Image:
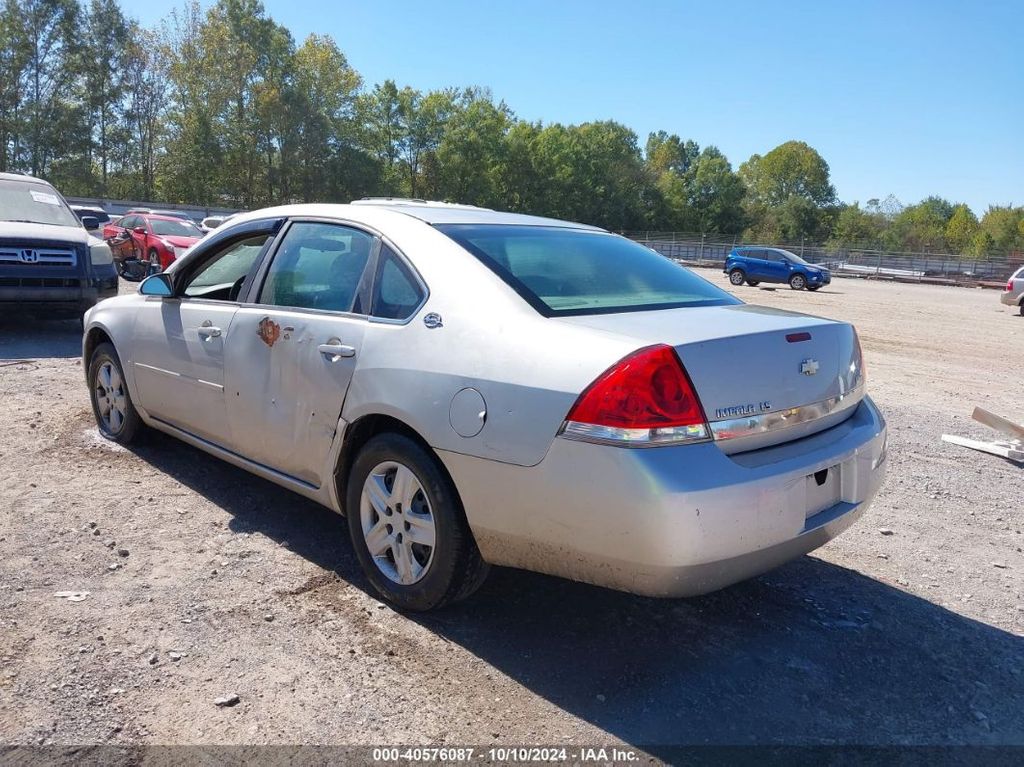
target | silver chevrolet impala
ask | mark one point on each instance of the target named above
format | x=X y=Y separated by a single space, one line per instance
x=471 y=387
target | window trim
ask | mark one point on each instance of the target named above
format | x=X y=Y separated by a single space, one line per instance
x=199 y=257
x=249 y=293
x=531 y=298
x=417 y=278
x=267 y=260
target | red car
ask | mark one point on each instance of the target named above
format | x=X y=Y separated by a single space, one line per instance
x=157 y=239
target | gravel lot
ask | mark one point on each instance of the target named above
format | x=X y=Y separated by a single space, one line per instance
x=205 y=582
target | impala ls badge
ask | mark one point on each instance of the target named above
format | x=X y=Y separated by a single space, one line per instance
x=809 y=367
x=433 y=320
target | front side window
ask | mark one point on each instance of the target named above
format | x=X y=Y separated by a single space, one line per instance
x=396 y=293
x=562 y=271
x=222 y=276
x=792 y=258
x=318 y=266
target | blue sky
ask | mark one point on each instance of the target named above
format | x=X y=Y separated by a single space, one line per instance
x=903 y=97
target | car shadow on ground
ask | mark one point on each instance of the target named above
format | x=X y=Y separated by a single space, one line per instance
x=26 y=337
x=812 y=653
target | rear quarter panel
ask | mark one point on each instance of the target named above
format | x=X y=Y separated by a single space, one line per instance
x=528 y=369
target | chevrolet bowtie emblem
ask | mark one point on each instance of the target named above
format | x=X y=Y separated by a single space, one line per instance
x=809 y=367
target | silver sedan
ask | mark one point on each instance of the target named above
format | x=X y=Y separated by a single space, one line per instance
x=473 y=388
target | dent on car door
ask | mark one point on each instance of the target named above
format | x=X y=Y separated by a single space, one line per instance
x=295 y=348
x=180 y=343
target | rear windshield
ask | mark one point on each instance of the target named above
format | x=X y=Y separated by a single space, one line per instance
x=573 y=271
x=34 y=203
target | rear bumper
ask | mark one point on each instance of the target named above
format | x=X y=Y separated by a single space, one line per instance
x=1010 y=298
x=671 y=521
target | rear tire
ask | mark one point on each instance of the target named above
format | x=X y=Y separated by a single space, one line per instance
x=798 y=282
x=400 y=502
x=736 y=277
x=1022 y=308
x=116 y=416
x=753 y=283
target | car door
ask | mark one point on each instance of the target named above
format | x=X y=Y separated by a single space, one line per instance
x=121 y=243
x=139 y=239
x=295 y=345
x=776 y=266
x=178 y=354
x=755 y=264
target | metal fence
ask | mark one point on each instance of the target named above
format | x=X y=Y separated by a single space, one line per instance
x=120 y=207
x=940 y=268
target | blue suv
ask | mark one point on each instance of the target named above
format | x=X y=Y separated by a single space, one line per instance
x=754 y=265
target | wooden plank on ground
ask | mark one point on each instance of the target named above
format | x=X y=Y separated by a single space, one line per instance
x=998 y=423
x=1010 y=450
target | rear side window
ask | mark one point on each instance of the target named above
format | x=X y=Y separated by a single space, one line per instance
x=396 y=293
x=562 y=271
x=318 y=266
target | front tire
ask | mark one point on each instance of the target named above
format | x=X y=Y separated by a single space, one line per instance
x=408 y=528
x=798 y=282
x=116 y=416
x=736 y=277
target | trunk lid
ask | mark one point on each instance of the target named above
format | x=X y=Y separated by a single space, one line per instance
x=764 y=375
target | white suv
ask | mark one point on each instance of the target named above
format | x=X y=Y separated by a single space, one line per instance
x=1013 y=295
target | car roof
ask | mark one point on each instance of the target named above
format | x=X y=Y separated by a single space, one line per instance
x=161 y=217
x=23 y=177
x=370 y=211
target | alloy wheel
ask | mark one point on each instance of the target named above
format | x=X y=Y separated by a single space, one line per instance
x=111 y=401
x=397 y=523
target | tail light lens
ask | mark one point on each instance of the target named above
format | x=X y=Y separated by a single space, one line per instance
x=646 y=399
x=1009 y=284
x=859 y=362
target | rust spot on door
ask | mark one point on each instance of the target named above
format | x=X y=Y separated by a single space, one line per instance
x=269 y=331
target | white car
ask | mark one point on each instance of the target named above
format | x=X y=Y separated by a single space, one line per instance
x=472 y=387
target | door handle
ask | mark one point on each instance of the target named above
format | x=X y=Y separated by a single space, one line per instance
x=336 y=351
x=207 y=330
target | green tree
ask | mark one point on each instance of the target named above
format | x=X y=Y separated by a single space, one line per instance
x=961 y=229
x=383 y=130
x=715 y=193
x=922 y=227
x=323 y=105
x=14 y=55
x=793 y=169
x=53 y=127
x=470 y=154
x=857 y=226
x=1003 y=226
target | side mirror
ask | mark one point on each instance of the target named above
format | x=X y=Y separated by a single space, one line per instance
x=90 y=222
x=139 y=230
x=157 y=285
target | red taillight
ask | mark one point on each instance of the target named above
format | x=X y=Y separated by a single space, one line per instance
x=1009 y=285
x=646 y=398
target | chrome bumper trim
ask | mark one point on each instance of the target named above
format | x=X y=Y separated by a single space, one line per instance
x=765 y=423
